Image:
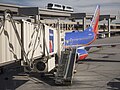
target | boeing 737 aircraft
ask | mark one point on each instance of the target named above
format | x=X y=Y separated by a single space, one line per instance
x=82 y=40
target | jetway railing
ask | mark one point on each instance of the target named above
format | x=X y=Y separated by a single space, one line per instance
x=11 y=37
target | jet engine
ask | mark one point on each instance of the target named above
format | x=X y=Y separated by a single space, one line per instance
x=82 y=54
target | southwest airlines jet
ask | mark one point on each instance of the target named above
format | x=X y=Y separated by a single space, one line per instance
x=82 y=40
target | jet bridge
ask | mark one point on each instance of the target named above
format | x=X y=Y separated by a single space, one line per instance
x=38 y=49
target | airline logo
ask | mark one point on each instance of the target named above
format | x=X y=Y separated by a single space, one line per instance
x=51 y=41
x=95 y=19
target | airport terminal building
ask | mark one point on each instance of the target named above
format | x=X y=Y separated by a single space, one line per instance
x=67 y=19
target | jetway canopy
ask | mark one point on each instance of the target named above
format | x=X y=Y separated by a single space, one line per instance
x=25 y=10
x=44 y=13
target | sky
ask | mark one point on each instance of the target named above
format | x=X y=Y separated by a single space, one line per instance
x=88 y=6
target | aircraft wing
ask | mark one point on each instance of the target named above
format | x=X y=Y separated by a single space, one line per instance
x=101 y=45
x=82 y=51
x=93 y=45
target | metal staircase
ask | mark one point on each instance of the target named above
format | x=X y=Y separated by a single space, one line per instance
x=66 y=67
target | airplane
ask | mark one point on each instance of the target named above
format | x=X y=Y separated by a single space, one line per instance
x=82 y=40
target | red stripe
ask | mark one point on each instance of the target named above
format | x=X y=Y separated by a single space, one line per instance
x=81 y=57
x=95 y=28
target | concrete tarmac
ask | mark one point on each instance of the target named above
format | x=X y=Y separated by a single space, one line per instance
x=100 y=71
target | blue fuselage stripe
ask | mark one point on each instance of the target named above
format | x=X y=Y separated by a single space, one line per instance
x=79 y=38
